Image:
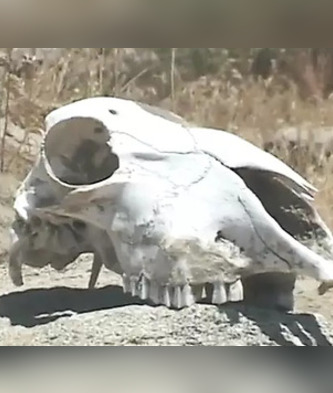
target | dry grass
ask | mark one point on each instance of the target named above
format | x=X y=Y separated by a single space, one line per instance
x=227 y=99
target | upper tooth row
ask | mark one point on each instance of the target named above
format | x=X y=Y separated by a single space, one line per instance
x=182 y=296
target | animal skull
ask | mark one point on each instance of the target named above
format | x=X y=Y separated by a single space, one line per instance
x=182 y=212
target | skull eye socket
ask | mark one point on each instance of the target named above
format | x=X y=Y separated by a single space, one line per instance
x=78 y=151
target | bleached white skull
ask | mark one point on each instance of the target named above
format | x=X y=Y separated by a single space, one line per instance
x=181 y=212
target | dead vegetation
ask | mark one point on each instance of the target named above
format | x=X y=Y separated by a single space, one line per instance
x=254 y=92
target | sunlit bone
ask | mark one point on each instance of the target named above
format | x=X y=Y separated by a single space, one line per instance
x=181 y=206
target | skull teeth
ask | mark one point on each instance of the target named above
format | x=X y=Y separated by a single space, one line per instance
x=133 y=286
x=177 y=297
x=180 y=296
x=235 y=292
x=144 y=288
x=166 y=297
x=126 y=283
x=187 y=296
x=219 y=293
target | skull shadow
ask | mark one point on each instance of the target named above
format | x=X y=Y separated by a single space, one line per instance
x=275 y=323
x=35 y=307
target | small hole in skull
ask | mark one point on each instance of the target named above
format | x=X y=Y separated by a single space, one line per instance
x=113 y=112
x=219 y=236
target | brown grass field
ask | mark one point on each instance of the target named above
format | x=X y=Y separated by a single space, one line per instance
x=217 y=89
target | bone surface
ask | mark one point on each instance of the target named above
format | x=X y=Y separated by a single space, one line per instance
x=174 y=208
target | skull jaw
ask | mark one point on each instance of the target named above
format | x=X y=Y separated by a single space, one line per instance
x=265 y=290
x=268 y=290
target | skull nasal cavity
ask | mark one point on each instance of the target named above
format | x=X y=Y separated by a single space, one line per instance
x=78 y=152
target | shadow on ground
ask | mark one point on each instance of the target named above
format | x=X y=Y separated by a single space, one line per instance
x=275 y=325
x=40 y=306
x=35 y=307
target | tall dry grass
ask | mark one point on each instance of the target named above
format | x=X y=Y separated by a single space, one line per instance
x=226 y=96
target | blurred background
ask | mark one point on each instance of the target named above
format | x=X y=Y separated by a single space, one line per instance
x=127 y=371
